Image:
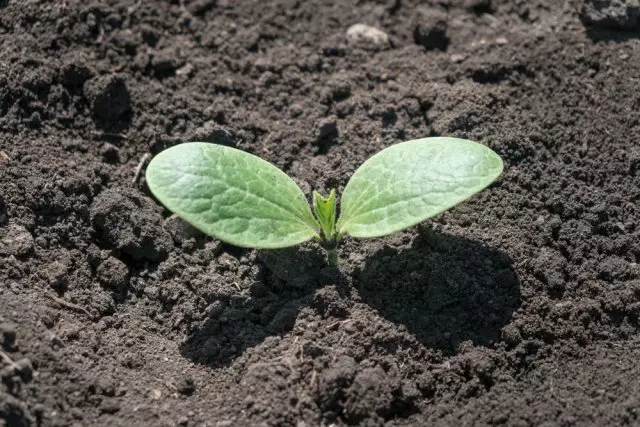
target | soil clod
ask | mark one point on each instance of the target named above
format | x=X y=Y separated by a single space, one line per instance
x=129 y=221
x=108 y=96
x=430 y=28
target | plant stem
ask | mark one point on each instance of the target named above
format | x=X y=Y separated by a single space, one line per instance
x=332 y=255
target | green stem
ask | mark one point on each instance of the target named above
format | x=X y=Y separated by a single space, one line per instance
x=332 y=256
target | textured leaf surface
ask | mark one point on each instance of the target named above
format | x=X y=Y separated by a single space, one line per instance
x=412 y=181
x=232 y=195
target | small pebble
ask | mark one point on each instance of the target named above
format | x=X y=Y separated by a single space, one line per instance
x=457 y=58
x=15 y=240
x=359 y=33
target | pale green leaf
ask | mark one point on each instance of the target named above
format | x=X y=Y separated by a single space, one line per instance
x=409 y=182
x=232 y=195
x=325 y=210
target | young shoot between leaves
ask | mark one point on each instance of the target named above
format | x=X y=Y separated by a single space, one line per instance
x=246 y=201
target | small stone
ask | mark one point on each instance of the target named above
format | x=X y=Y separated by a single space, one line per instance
x=185 y=70
x=15 y=240
x=108 y=96
x=4 y=158
x=430 y=29
x=365 y=34
x=183 y=421
x=457 y=58
x=113 y=273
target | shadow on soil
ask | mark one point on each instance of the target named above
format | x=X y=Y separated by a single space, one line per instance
x=444 y=289
x=289 y=281
x=611 y=35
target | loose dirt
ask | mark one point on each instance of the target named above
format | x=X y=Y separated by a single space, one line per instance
x=519 y=307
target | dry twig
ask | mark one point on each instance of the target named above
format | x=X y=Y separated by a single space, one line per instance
x=6 y=358
x=143 y=161
x=67 y=304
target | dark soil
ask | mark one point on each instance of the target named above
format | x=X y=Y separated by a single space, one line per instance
x=519 y=307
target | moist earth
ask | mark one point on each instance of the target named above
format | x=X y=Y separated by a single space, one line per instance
x=519 y=307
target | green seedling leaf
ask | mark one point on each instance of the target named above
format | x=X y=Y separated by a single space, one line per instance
x=325 y=210
x=246 y=201
x=407 y=183
x=232 y=195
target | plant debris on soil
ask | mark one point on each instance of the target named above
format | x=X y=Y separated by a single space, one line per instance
x=519 y=307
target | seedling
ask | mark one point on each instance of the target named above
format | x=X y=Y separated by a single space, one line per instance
x=246 y=201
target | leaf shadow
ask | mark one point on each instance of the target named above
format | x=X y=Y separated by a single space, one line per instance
x=445 y=289
x=289 y=284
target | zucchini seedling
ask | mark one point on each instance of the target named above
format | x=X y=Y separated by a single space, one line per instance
x=246 y=201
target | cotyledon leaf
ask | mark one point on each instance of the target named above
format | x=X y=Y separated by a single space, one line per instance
x=409 y=182
x=232 y=195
